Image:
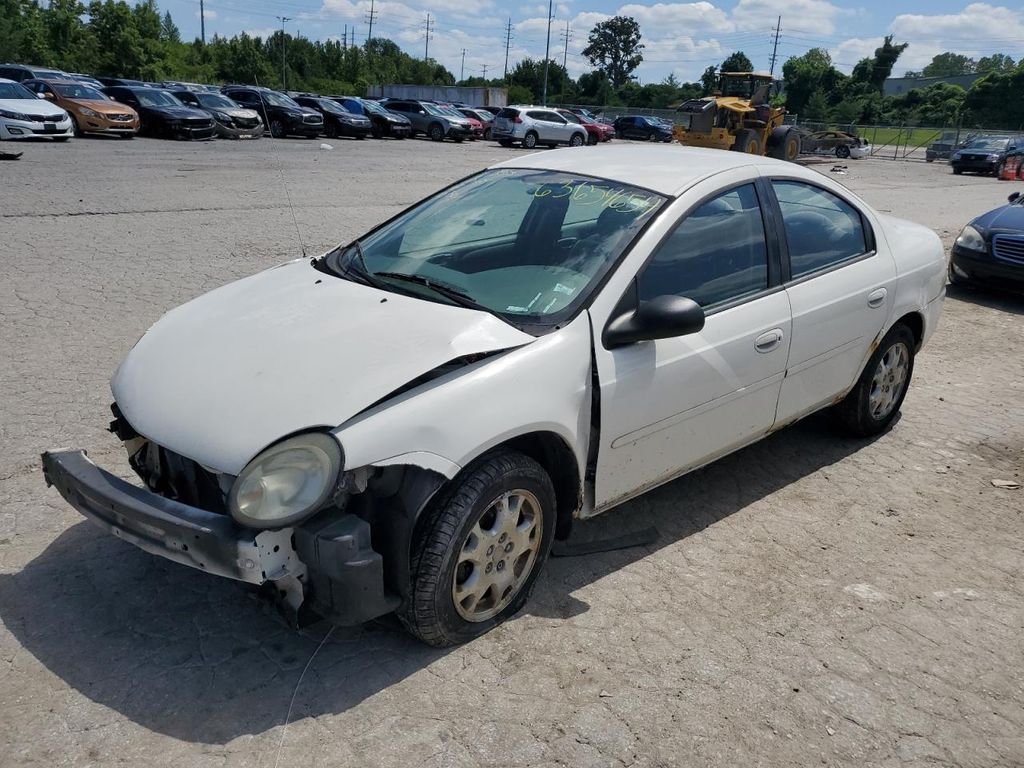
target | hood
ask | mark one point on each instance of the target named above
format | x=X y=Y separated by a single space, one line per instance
x=178 y=113
x=103 y=107
x=1009 y=217
x=234 y=112
x=220 y=378
x=36 y=107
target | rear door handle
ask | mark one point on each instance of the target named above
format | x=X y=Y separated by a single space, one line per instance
x=768 y=340
x=877 y=298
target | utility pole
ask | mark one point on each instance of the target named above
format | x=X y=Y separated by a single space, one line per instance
x=775 y=47
x=428 y=26
x=202 y=22
x=567 y=36
x=508 y=42
x=462 y=69
x=370 y=17
x=284 y=83
x=485 y=72
x=547 y=54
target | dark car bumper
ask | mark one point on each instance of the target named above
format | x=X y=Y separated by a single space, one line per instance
x=190 y=133
x=299 y=128
x=228 y=132
x=357 y=131
x=397 y=130
x=334 y=561
x=976 y=166
x=984 y=268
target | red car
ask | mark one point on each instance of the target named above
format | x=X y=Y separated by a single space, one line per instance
x=596 y=132
x=476 y=127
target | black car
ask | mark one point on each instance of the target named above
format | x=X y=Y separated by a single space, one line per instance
x=382 y=122
x=338 y=121
x=984 y=154
x=990 y=250
x=280 y=113
x=162 y=115
x=642 y=128
x=231 y=120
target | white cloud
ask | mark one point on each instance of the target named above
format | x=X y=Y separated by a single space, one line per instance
x=808 y=16
x=208 y=14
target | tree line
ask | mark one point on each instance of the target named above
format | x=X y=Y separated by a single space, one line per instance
x=113 y=38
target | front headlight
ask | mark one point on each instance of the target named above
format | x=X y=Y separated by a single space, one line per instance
x=14 y=115
x=286 y=482
x=970 y=239
x=87 y=112
x=993 y=157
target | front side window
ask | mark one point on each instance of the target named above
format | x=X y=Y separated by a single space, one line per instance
x=716 y=255
x=15 y=91
x=75 y=91
x=527 y=245
x=821 y=229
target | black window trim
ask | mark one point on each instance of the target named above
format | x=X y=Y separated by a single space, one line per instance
x=870 y=243
x=772 y=246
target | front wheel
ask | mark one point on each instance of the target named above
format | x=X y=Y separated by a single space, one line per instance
x=480 y=549
x=591 y=139
x=436 y=132
x=876 y=398
x=277 y=129
x=842 y=151
x=576 y=140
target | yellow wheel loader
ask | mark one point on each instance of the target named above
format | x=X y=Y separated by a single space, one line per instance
x=738 y=117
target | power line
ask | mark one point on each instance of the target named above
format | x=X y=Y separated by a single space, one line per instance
x=775 y=47
x=371 y=17
x=427 y=27
x=508 y=42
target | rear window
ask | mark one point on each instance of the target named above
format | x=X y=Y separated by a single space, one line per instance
x=510 y=113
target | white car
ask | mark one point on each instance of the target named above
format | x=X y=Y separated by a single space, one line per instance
x=534 y=126
x=24 y=115
x=405 y=423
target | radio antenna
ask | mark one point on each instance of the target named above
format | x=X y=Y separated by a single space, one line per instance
x=284 y=183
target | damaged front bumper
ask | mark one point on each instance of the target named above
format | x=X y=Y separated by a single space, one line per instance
x=338 y=556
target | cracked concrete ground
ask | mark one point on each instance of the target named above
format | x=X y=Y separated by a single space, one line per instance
x=811 y=600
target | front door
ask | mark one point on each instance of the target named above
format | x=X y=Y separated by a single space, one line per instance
x=670 y=405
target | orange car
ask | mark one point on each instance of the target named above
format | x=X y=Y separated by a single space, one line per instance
x=91 y=111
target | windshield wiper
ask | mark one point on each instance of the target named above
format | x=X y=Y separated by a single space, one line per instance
x=361 y=268
x=450 y=292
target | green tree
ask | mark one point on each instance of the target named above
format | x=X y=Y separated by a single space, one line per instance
x=529 y=73
x=817 y=106
x=709 y=80
x=737 y=62
x=614 y=47
x=806 y=75
x=997 y=62
x=169 y=30
x=949 y=64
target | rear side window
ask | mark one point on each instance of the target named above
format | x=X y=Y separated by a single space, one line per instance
x=717 y=254
x=821 y=229
x=511 y=114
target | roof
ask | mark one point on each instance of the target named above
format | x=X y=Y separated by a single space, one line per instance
x=665 y=169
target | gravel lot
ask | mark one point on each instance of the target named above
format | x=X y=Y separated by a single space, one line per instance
x=810 y=600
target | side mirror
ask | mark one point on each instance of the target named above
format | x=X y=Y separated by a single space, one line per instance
x=663 y=317
x=45 y=95
x=1014 y=196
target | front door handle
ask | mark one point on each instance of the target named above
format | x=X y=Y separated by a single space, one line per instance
x=768 y=340
x=877 y=298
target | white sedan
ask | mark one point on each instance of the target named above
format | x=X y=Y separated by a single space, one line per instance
x=407 y=422
x=24 y=115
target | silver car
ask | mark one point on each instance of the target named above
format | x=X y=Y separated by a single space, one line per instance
x=531 y=126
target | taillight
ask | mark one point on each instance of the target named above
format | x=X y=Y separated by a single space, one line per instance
x=518 y=119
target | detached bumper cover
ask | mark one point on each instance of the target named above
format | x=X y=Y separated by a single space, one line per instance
x=345 y=576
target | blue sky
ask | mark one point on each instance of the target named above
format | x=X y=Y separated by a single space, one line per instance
x=681 y=38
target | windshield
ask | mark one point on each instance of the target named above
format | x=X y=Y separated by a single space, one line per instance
x=279 y=100
x=571 y=117
x=215 y=101
x=332 y=106
x=436 y=110
x=15 y=91
x=527 y=245
x=152 y=97
x=992 y=145
x=373 y=106
x=79 y=91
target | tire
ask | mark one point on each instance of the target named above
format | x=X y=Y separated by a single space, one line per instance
x=442 y=562
x=436 y=132
x=876 y=398
x=78 y=129
x=277 y=129
x=530 y=140
x=842 y=152
x=747 y=141
x=487 y=134
x=591 y=139
x=377 y=132
x=784 y=144
x=331 y=131
x=576 y=140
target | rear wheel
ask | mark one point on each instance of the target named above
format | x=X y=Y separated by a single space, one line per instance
x=784 y=144
x=749 y=142
x=479 y=549
x=530 y=140
x=876 y=398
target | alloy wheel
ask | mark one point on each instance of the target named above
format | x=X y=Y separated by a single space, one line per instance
x=888 y=381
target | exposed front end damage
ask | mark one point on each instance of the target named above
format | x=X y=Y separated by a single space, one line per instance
x=347 y=563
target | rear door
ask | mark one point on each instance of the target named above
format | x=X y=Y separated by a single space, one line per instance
x=840 y=283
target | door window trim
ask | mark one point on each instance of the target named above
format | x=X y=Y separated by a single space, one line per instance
x=870 y=243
